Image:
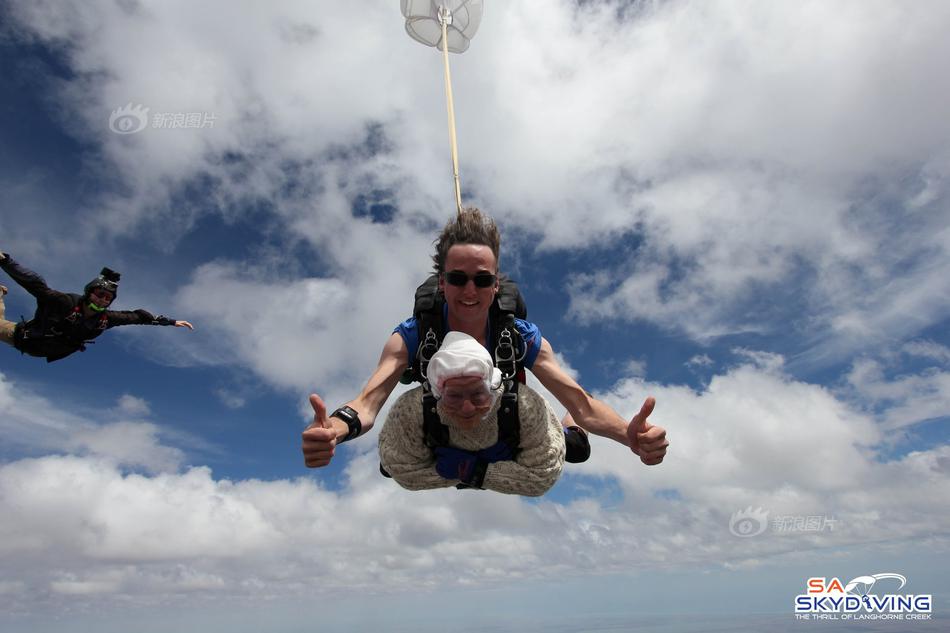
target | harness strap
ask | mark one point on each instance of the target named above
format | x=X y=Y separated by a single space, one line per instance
x=75 y=315
x=509 y=424
x=435 y=433
x=509 y=353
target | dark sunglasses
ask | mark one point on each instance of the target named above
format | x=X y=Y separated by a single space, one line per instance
x=481 y=280
x=102 y=294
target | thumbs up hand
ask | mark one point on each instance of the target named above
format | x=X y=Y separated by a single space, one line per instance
x=320 y=438
x=645 y=439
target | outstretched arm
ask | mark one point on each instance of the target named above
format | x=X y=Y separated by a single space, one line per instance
x=29 y=280
x=142 y=317
x=645 y=439
x=324 y=433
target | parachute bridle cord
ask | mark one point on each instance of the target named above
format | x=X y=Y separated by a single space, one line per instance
x=445 y=18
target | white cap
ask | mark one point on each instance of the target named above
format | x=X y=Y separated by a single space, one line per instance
x=461 y=355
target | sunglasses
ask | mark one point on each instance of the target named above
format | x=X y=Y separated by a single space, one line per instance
x=102 y=294
x=481 y=280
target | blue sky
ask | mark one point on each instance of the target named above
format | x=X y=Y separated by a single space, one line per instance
x=741 y=209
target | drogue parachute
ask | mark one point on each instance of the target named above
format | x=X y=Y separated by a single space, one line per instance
x=425 y=18
x=448 y=25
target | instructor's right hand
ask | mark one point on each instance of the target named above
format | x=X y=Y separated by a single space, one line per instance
x=319 y=439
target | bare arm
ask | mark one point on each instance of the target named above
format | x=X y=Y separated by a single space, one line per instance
x=588 y=412
x=392 y=363
x=321 y=437
x=645 y=439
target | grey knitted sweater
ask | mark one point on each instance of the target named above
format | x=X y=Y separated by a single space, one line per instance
x=404 y=455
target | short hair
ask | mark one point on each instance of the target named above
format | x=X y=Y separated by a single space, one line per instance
x=470 y=226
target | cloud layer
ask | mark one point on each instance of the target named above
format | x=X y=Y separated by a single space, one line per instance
x=731 y=168
x=90 y=524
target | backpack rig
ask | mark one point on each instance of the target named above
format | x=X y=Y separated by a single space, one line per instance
x=504 y=338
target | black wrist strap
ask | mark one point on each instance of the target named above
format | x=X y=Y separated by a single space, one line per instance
x=352 y=419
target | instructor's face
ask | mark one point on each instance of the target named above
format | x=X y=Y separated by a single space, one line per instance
x=468 y=304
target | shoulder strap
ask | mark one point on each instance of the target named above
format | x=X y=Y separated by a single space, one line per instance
x=434 y=432
x=508 y=356
x=427 y=309
x=509 y=299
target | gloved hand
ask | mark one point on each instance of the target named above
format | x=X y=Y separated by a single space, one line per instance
x=577 y=445
x=498 y=452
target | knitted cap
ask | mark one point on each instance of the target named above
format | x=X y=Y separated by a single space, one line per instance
x=461 y=355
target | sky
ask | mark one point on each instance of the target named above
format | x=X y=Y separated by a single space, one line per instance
x=739 y=208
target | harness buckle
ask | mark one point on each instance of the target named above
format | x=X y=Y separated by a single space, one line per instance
x=428 y=348
x=505 y=358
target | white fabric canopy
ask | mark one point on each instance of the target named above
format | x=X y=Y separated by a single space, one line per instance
x=462 y=19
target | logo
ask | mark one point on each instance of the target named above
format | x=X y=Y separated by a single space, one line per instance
x=830 y=599
x=128 y=119
x=749 y=522
x=862 y=584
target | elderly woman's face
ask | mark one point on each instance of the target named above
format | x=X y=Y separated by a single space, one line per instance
x=466 y=399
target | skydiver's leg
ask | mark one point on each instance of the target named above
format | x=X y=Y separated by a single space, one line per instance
x=6 y=327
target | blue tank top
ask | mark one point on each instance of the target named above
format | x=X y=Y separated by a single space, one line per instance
x=530 y=334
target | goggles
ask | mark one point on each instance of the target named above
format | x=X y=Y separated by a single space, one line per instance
x=100 y=293
x=481 y=280
x=455 y=398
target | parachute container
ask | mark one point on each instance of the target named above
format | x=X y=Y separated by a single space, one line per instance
x=424 y=22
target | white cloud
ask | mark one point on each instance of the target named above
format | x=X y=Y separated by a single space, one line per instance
x=85 y=530
x=927 y=349
x=32 y=423
x=133 y=406
x=746 y=163
x=904 y=400
x=749 y=168
x=258 y=320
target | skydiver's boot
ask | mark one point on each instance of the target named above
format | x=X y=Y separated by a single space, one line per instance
x=578 y=446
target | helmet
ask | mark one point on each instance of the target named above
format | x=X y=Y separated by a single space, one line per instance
x=108 y=280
